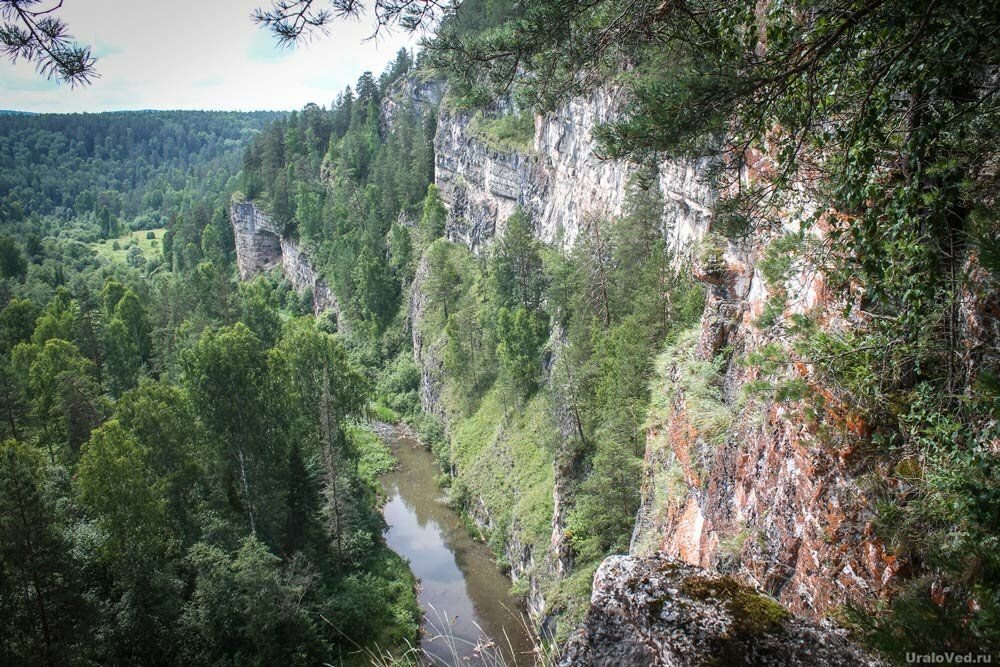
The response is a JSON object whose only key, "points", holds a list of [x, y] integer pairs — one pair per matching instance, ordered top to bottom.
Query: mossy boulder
{"points": [[659, 611]]}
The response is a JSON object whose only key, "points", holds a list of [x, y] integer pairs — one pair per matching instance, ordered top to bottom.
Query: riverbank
{"points": [[469, 613]]}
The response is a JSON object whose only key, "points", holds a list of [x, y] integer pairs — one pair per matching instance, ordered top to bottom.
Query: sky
{"points": [[198, 54]]}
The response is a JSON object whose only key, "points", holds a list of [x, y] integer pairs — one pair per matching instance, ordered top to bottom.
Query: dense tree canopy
{"points": [[180, 460]]}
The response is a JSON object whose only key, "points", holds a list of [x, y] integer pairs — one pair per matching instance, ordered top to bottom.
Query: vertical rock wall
{"points": [[561, 182], [260, 247], [779, 499]]}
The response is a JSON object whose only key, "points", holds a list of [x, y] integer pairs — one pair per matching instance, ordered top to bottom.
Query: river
{"points": [[469, 613]]}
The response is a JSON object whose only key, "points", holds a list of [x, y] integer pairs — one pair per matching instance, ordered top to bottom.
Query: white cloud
{"points": [[197, 54]]}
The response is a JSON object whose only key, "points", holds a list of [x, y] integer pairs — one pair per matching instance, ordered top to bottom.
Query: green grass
{"points": [[510, 132], [150, 247], [698, 381], [384, 413], [374, 456], [508, 464], [572, 596]]}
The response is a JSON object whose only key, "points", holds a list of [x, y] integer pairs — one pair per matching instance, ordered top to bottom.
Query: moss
{"points": [[752, 613]]}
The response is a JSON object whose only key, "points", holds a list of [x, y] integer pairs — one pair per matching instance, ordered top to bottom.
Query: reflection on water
{"points": [[464, 597]]}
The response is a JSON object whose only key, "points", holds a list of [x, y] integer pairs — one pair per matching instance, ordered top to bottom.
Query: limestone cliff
{"points": [[560, 181], [260, 247]]}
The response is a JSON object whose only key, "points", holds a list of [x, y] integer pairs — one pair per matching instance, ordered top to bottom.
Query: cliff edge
{"points": [[660, 611]]}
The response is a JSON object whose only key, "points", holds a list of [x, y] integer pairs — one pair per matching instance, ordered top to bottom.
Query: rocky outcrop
{"points": [[416, 94], [561, 182], [258, 239], [260, 247], [428, 354], [778, 498], [658, 611]]}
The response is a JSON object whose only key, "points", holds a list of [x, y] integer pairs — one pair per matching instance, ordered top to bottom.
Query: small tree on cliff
{"points": [[432, 222]]}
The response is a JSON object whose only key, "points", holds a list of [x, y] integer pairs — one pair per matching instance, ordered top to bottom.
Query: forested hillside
{"points": [[127, 163], [710, 284], [816, 412], [184, 476]]}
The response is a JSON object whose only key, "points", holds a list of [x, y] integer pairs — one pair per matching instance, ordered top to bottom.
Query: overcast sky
{"points": [[197, 54]]}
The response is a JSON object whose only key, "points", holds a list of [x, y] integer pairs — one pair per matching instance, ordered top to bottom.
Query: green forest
{"points": [[189, 465], [150, 513]]}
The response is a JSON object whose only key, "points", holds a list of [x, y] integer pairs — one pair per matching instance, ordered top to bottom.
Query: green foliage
{"points": [[505, 132], [122, 163], [345, 184], [432, 221], [12, 262], [515, 267], [443, 284], [614, 298], [259, 309], [17, 323], [520, 336], [121, 357], [226, 375], [399, 384], [63, 394], [374, 456], [117, 485], [224, 511], [604, 514], [948, 521], [40, 590], [247, 608]]}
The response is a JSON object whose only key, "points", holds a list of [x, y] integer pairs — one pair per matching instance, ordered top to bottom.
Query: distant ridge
{"points": [[11, 112]]}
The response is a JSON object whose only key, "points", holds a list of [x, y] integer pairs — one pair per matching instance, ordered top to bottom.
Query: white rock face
{"points": [[412, 92], [561, 183], [258, 241], [260, 247]]}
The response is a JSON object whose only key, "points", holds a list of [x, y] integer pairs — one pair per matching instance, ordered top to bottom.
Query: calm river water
{"points": [[464, 596]]}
